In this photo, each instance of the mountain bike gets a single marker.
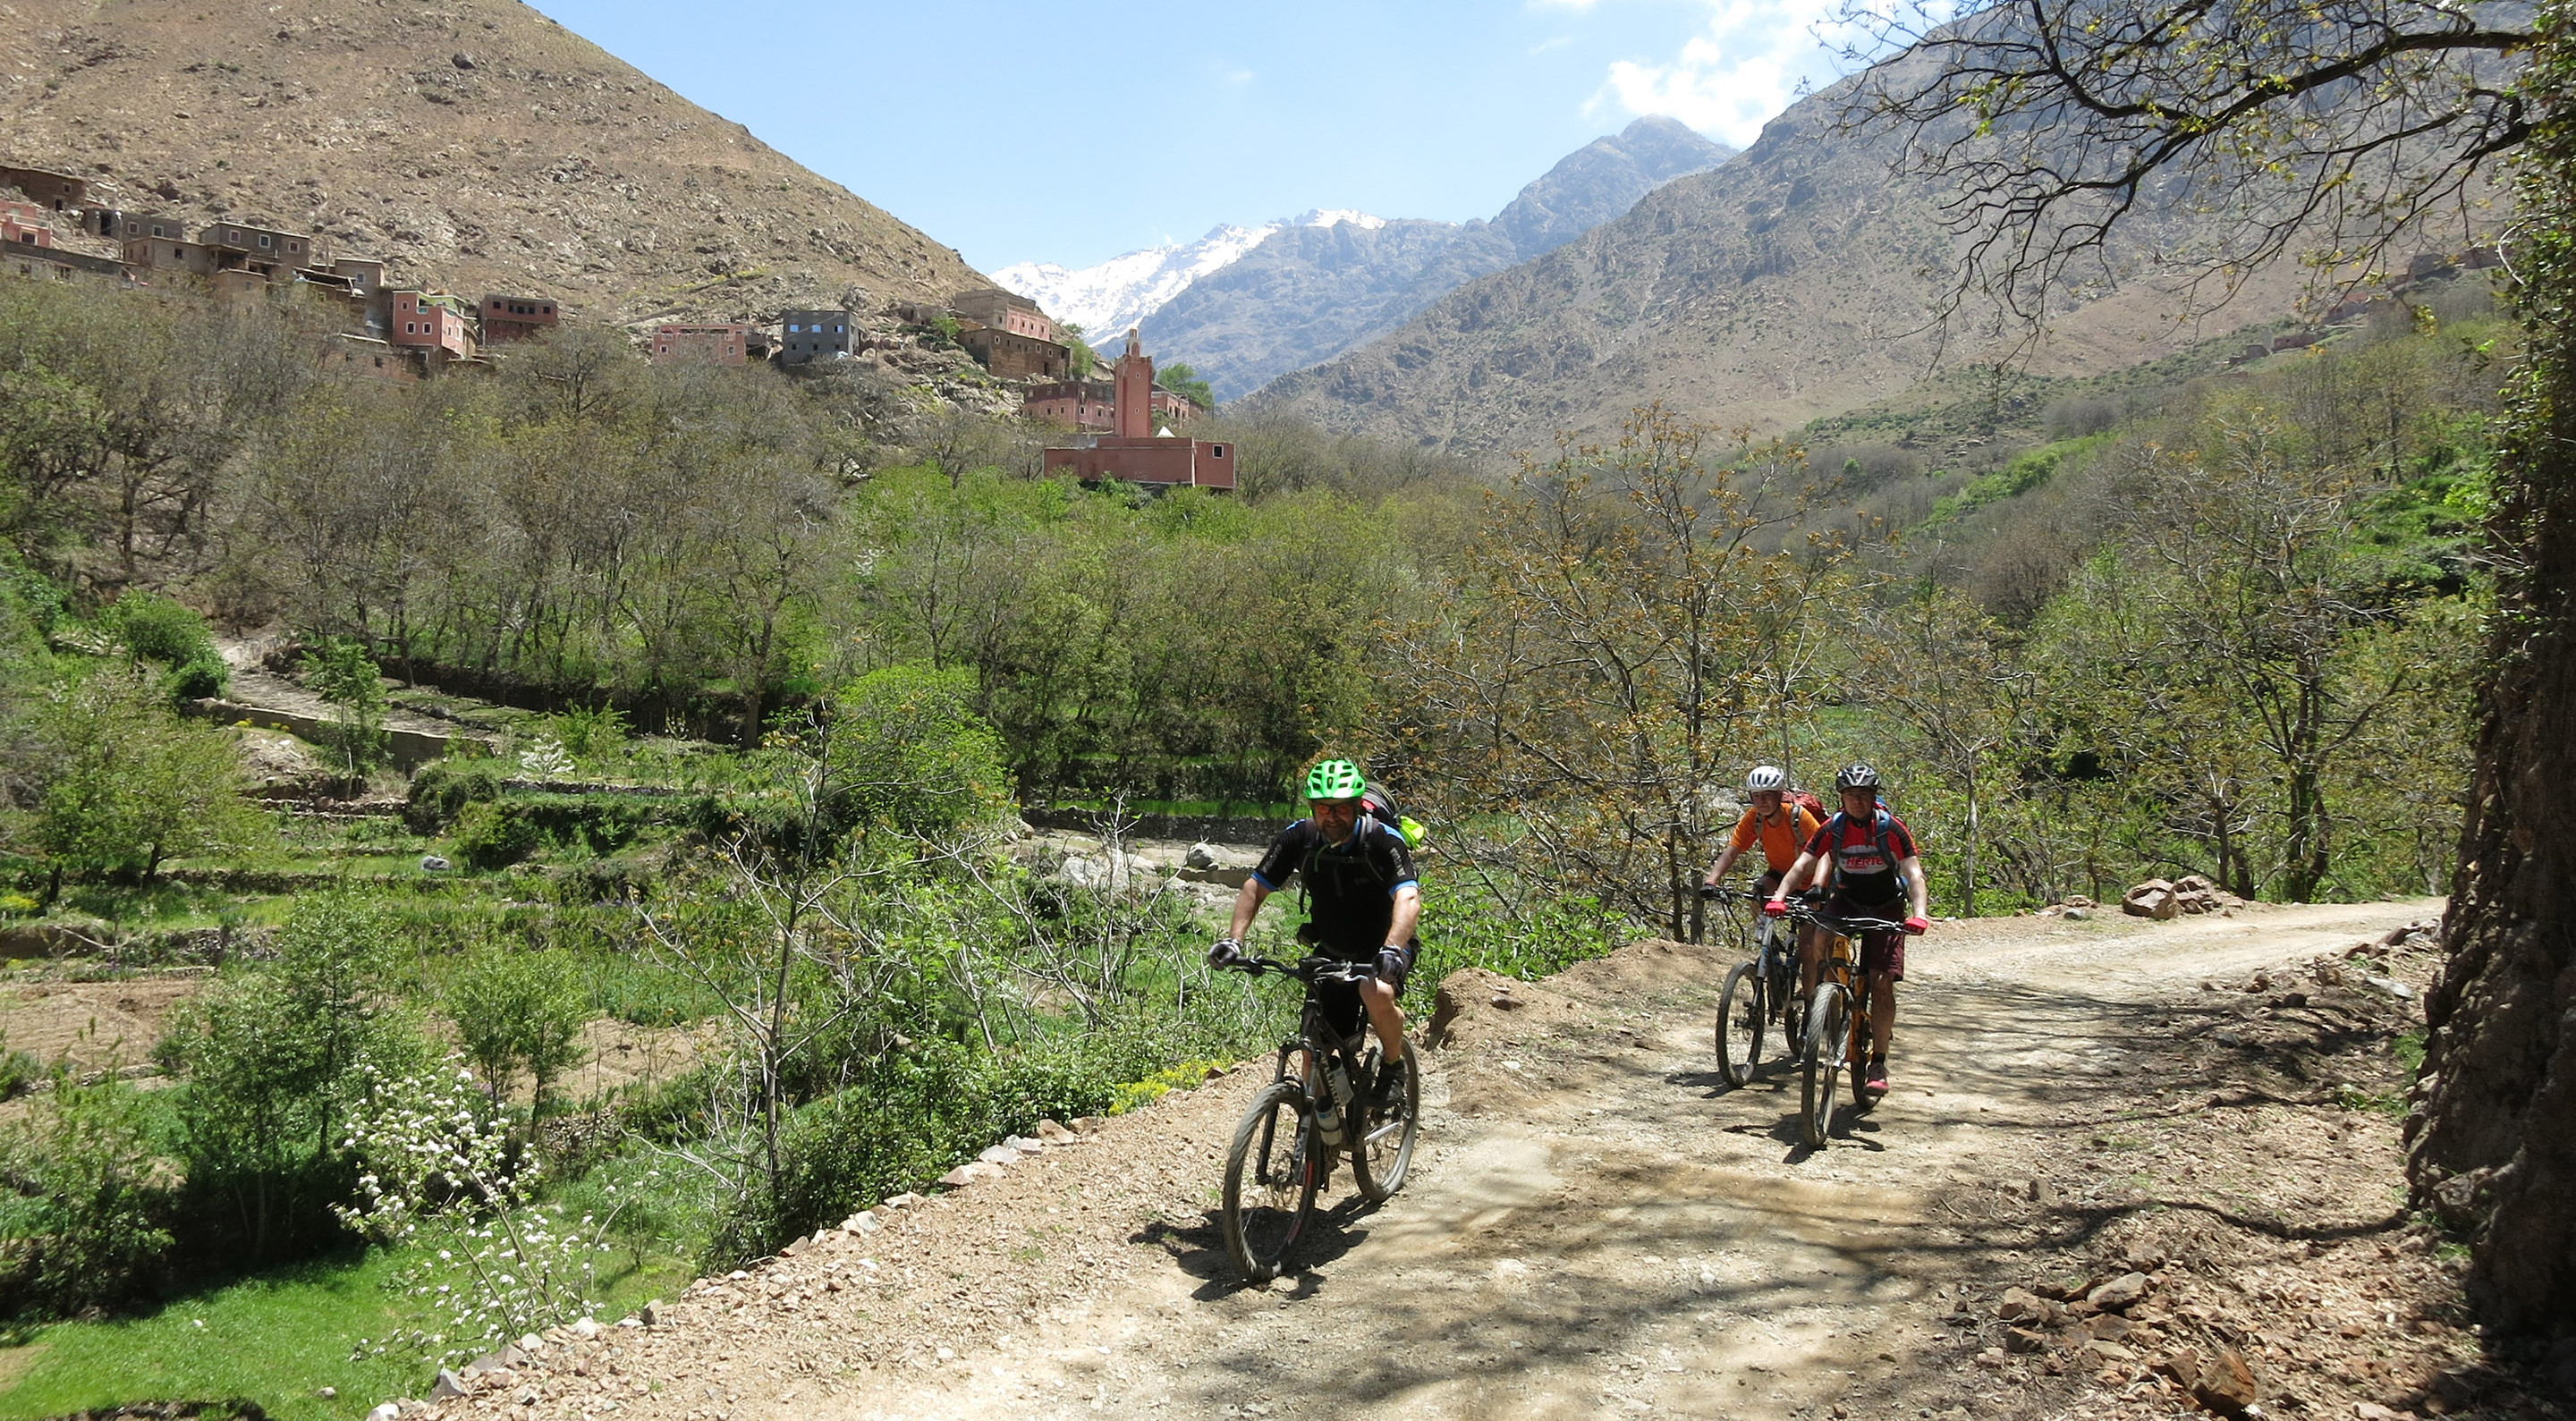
(1838, 1024)
(1315, 1110)
(1759, 994)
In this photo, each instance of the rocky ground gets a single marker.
(2130, 1169)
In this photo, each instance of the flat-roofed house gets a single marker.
(723, 342)
(515, 318)
(61, 192)
(807, 336)
(430, 321)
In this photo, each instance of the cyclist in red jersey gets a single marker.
(1875, 869)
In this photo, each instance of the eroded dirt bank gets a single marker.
(1596, 1226)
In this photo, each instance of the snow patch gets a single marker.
(1108, 298)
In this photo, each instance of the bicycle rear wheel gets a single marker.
(1271, 1175)
(1741, 1010)
(1828, 1026)
(1385, 1151)
(1857, 1057)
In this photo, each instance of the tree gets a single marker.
(343, 674)
(2058, 121)
(118, 783)
(1939, 670)
(513, 1010)
(1183, 381)
(2062, 132)
(1594, 673)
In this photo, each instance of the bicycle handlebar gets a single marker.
(1309, 969)
(1848, 927)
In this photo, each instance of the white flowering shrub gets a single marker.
(441, 1170)
(546, 758)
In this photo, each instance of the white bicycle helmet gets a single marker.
(1766, 777)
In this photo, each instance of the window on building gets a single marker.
(1216, 451)
(266, 240)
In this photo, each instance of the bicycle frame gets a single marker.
(1841, 960)
(1320, 1045)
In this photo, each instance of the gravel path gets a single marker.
(1595, 1225)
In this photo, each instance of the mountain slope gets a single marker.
(475, 145)
(1306, 295)
(1791, 283)
(1108, 298)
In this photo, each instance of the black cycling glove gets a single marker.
(1226, 953)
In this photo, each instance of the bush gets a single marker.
(496, 833)
(200, 676)
(83, 1222)
(441, 789)
(155, 628)
(910, 1114)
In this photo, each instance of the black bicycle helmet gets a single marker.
(1856, 775)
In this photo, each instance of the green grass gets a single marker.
(277, 1340)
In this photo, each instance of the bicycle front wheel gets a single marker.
(1740, 1013)
(1828, 1025)
(1385, 1153)
(1271, 1175)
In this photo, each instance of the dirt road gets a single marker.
(1596, 1226)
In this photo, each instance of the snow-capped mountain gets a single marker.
(1106, 299)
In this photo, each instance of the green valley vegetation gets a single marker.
(720, 920)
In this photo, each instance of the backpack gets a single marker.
(1879, 819)
(1380, 806)
(1806, 799)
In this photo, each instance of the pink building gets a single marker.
(429, 320)
(24, 224)
(1134, 453)
(510, 318)
(1004, 311)
(725, 343)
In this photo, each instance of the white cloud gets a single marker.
(1735, 75)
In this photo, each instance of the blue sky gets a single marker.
(1072, 132)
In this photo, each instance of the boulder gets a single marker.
(1202, 855)
(448, 1387)
(1055, 1134)
(2226, 1385)
(2154, 898)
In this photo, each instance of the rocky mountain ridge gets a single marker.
(1308, 294)
(1106, 298)
(475, 145)
(1794, 282)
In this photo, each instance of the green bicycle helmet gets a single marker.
(1335, 779)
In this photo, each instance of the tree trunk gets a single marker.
(2493, 1140)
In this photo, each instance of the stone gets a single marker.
(2152, 899)
(865, 1222)
(998, 1155)
(2389, 985)
(432, 863)
(2020, 1304)
(2077, 915)
(2227, 1384)
(2023, 1339)
(2119, 1293)
(386, 1412)
(1055, 1134)
(328, 1392)
(2108, 1326)
(2109, 1351)
(587, 1328)
(905, 1200)
(2183, 1365)
(651, 1316)
(960, 1177)
(508, 1356)
(448, 1387)
(1284, 1283)
(1202, 855)
(2372, 1411)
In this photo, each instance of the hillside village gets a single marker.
(58, 229)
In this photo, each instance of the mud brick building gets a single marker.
(807, 336)
(1016, 357)
(1134, 453)
(1005, 311)
(516, 318)
(60, 192)
(724, 342)
(430, 321)
(1092, 405)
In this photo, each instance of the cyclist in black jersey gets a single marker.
(1363, 903)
